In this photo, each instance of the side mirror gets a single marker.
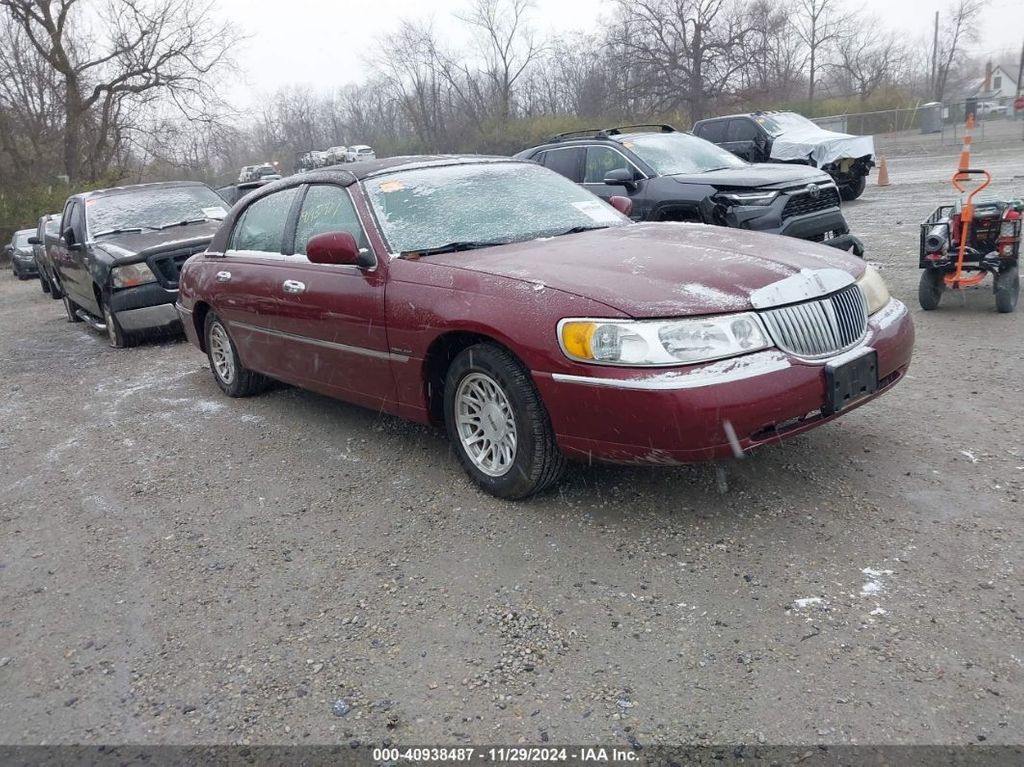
(621, 177)
(33, 240)
(622, 204)
(335, 248)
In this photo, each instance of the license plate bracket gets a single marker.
(850, 380)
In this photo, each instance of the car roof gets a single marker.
(351, 172)
(29, 232)
(132, 188)
(758, 113)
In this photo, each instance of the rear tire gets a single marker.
(854, 189)
(1007, 289)
(498, 424)
(929, 290)
(232, 378)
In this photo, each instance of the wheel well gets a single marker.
(679, 213)
(439, 358)
(199, 312)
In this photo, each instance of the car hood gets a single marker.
(135, 246)
(820, 145)
(767, 175)
(657, 269)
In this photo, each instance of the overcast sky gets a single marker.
(325, 44)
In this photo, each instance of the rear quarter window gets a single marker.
(713, 131)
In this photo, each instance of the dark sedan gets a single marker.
(23, 263)
(121, 250)
(534, 321)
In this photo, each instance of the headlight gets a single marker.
(873, 287)
(131, 275)
(748, 198)
(661, 342)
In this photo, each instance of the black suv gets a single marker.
(674, 176)
(791, 138)
(121, 250)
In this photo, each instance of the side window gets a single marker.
(262, 226)
(566, 161)
(713, 131)
(327, 208)
(74, 217)
(601, 160)
(741, 130)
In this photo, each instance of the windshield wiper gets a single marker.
(186, 222)
(123, 230)
(452, 247)
(578, 229)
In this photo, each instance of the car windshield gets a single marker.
(52, 226)
(672, 153)
(482, 204)
(21, 239)
(152, 209)
(777, 124)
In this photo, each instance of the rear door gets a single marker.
(333, 315)
(567, 161)
(245, 285)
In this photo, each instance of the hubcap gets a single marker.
(486, 424)
(220, 353)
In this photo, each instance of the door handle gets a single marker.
(293, 286)
(223, 276)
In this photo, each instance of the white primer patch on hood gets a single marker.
(803, 286)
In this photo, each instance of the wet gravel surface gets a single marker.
(181, 567)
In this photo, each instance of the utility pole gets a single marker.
(935, 56)
(1020, 72)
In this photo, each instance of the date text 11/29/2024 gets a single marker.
(504, 754)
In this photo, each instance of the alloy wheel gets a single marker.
(486, 424)
(221, 353)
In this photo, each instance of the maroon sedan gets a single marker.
(535, 321)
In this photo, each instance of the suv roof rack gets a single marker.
(603, 133)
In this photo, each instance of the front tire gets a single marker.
(116, 335)
(232, 378)
(930, 288)
(71, 309)
(498, 424)
(854, 189)
(1007, 289)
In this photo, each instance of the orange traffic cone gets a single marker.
(883, 172)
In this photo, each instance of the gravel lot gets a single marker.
(178, 567)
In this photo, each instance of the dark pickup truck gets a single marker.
(121, 250)
(674, 176)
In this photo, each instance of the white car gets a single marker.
(359, 152)
(246, 173)
(336, 154)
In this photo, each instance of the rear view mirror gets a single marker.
(33, 240)
(622, 204)
(334, 248)
(621, 177)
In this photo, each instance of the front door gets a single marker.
(332, 316)
(602, 160)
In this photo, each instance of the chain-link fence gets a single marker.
(943, 121)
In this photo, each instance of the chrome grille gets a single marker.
(821, 327)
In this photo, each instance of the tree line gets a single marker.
(104, 90)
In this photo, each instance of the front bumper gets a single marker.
(24, 265)
(709, 411)
(145, 307)
(828, 226)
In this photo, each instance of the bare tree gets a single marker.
(868, 57)
(507, 45)
(685, 51)
(819, 23)
(146, 50)
(960, 28)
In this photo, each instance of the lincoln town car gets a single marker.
(534, 321)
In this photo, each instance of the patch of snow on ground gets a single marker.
(874, 584)
(800, 604)
(208, 406)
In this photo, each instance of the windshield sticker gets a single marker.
(597, 211)
(391, 186)
(215, 212)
